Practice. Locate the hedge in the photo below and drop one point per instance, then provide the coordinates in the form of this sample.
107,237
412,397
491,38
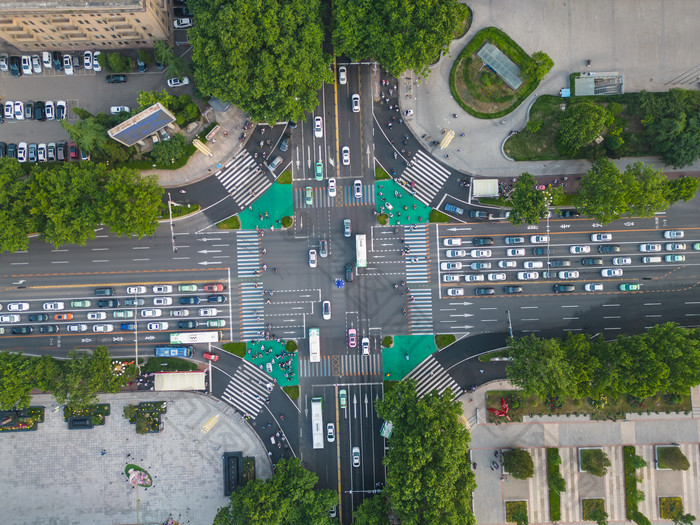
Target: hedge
632,497
554,478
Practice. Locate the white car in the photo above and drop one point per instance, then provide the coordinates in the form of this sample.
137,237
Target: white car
453,292
36,64
539,239
318,127
96,67
330,432
208,312
346,156
674,234
9,110
357,188
103,328
151,312
313,259
46,59
452,242
342,75
115,110
176,82
87,60
22,152
580,249
162,325
473,277
355,456
365,345
182,312
41,153
162,301
446,266
477,254
326,309
601,237
649,247
17,307
331,188
611,272
77,328
135,290
19,110
356,103
593,287
622,261
515,252
507,264
568,274
9,318
56,305
450,278
96,316
496,277
455,253
675,246
26,65
531,265
162,288
182,23
68,64
50,110
528,276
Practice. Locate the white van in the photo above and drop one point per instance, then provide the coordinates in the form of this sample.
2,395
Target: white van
650,259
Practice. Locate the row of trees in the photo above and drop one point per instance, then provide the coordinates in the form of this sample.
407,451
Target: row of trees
65,202
73,382
664,359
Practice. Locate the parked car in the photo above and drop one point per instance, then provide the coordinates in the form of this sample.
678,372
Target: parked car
176,82
115,79
68,64
182,23
454,209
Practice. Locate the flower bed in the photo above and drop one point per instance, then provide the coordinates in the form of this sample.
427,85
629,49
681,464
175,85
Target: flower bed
592,508
146,416
670,507
138,476
97,413
21,420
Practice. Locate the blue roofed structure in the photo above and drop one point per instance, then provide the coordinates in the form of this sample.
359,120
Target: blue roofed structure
142,125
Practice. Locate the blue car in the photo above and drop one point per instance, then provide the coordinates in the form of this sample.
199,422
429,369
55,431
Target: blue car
189,300
454,209
128,326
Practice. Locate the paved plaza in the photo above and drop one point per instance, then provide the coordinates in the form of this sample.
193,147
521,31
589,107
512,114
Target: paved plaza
58,476
568,434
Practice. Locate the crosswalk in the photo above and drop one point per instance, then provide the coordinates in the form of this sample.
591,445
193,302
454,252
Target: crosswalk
417,267
341,365
248,253
344,197
247,390
244,179
430,375
420,311
427,175
252,311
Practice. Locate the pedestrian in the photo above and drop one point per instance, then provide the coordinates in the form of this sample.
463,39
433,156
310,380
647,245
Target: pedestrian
103,452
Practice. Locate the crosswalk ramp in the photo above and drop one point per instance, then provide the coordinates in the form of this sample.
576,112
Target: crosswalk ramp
244,179
344,196
420,311
252,311
417,267
248,254
341,365
428,176
247,390
430,375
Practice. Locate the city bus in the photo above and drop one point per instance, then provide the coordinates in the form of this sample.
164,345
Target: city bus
314,345
174,351
178,338
317,421
361,250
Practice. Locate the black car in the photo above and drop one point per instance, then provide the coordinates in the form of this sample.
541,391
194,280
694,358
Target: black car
348,272
216,299
565,214
39,112
116,79
186,325
476,214
15,68
38,318
57,61
29,109
134,302
484,291
3,150
18,330
12,150
48,329
592,261
108,303
564,288
284,145
541,250
608,248
189,300
560,263
513,289
141,66
292,124
483,241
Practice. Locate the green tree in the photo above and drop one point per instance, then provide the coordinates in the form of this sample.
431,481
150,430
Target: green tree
130,204
144,56
648,193
82,376
118,63
683,519
599,516
401,34
16,372
602,192
267,58
529,205
681,189
584,364
519,515
147,98
372,511
643,373
15,219
429,477
595,461
518,463
89,134
165,55
539,66
635,462
287,498
169,151
581,124
679,350
539,366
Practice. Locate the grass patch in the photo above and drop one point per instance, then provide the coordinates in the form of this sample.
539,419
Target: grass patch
388,341
591,508
388,385
292,392
380,174
632,495
670,507
168,364
178,211
671,457
514,511
286,221
493,201
382,219
443,340
232,223
485,358
605,409
238,349
438,216
556,482
285,178
291,346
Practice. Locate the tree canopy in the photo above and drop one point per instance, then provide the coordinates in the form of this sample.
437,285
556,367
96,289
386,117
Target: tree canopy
399,34
265,57
15,220
529,204
518,463
581,124
429,477
288,498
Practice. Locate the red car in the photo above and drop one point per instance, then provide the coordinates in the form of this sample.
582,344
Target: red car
210,357
73,151
352,338
214,287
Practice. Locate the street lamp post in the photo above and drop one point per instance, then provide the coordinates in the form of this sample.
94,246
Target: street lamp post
172,229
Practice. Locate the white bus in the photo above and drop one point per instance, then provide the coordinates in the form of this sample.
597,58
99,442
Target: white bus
317,421
179,338
314,345
361,250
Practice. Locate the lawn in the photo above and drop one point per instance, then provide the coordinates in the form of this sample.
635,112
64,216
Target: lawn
670,507
591,507
513,508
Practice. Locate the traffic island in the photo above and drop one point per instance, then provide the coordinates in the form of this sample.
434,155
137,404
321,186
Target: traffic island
407,352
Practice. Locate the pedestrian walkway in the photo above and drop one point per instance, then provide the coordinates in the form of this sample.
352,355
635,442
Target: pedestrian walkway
243,179
252,311
420,311
399,205
430,375
248,253
247,390
341,365
344,197
427,175
417,268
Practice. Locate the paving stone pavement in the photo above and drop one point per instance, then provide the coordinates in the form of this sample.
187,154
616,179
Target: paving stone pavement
58,476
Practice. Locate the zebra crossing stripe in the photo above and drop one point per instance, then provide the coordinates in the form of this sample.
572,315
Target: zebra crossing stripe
246,390
420,309
244,179
417,268
350,365
252,311
427,175
321,199
247,253
430,375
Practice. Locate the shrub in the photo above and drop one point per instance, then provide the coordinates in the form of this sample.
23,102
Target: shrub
557,484
238,349
518,463
670,507
632,495
595,462
672,458
169,151
118,63
388,341
291,346
144,56
443,340
594,510
286,222
516,512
